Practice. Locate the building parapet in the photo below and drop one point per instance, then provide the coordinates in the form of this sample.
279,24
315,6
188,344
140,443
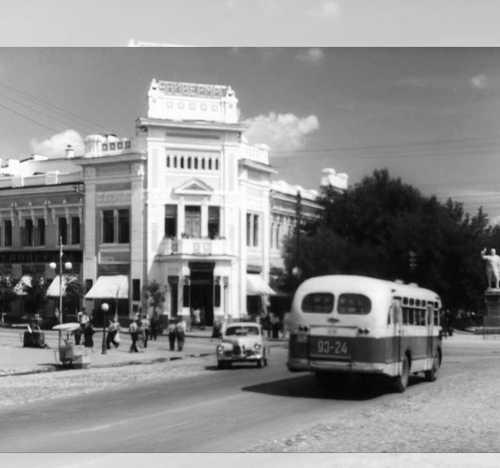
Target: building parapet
192,101
257,153
106,145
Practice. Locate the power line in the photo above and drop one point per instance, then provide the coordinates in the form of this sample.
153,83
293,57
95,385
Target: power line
29,118
407,145
58,108
35,109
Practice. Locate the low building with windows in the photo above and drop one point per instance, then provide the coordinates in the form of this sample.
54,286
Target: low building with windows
187,203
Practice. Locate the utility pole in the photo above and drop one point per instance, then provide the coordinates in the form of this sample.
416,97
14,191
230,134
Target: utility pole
298,215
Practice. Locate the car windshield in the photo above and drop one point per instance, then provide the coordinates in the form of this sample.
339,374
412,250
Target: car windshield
242,331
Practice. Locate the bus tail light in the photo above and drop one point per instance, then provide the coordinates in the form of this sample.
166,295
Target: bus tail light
363,331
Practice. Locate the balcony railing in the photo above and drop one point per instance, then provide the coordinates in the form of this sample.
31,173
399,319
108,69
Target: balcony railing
203,247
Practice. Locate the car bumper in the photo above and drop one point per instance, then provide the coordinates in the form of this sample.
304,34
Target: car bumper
304,365
239,357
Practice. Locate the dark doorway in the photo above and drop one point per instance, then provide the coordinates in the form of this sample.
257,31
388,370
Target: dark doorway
202,290
99,316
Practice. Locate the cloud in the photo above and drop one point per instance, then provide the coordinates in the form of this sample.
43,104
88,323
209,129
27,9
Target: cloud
56,144
326,9
313,55
280,131
479,81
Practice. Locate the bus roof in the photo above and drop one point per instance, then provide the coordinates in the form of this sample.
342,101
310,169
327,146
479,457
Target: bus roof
367,284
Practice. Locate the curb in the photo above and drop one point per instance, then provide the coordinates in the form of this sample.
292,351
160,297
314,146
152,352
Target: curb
57,368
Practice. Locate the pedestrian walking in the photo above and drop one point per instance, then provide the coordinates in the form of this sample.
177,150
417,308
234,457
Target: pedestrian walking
275,325
171,334
180,333
134,336
217,329
154,328
88,335
112,337
146,329
116,339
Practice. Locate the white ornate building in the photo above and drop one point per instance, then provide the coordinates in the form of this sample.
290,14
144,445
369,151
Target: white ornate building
187,203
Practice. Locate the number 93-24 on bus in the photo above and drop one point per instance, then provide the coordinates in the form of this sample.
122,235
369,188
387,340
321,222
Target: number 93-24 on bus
356,324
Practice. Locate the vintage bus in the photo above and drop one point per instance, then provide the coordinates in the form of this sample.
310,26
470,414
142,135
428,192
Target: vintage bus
361,325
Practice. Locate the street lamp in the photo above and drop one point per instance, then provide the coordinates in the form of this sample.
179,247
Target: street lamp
104,308
67,266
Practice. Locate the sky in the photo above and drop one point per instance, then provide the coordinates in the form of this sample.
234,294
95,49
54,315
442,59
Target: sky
250,22
428,114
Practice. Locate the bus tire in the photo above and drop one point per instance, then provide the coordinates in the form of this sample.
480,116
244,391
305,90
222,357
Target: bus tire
401,381
431,375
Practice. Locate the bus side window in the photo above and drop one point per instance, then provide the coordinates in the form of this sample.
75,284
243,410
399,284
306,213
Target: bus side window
436,317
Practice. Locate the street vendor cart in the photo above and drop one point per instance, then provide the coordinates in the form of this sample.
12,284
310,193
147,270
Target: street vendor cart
70,355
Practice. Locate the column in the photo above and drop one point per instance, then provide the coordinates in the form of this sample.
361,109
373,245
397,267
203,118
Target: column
180,218
90,228
137,257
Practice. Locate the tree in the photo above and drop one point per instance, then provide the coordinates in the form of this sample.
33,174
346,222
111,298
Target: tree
73,295
372,227
154,296
7,294
35,298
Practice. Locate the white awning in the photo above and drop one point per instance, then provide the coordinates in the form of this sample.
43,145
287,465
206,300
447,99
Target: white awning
23,283
256,286
53,289
109,287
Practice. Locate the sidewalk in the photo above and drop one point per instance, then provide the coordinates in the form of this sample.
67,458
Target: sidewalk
14,359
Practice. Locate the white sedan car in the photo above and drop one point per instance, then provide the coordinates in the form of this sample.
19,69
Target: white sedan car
242,342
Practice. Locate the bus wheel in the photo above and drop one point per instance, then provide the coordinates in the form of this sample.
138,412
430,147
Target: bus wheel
431,375
401,381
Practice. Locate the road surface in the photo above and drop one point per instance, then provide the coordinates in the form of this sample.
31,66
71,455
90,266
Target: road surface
222,410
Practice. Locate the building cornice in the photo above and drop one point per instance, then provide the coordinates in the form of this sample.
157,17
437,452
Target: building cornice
192,125
257,166
110,159
77,187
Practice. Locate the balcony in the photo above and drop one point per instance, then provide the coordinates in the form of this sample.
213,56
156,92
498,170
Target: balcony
201,247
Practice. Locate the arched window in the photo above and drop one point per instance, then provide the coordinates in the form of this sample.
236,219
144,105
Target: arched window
196,163
203,163
216,164
189,163
182,162
175,162
210,164
168,161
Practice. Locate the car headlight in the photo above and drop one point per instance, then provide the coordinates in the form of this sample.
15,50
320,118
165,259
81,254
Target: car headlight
257,346
220,348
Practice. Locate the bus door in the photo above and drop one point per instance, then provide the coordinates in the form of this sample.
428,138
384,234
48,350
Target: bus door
430,329
397,321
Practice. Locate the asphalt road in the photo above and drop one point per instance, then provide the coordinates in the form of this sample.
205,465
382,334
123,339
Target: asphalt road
223,410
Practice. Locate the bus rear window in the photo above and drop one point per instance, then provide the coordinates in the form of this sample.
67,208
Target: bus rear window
318,303
354,304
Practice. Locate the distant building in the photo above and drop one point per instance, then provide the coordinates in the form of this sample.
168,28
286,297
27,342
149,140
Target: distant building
187,203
